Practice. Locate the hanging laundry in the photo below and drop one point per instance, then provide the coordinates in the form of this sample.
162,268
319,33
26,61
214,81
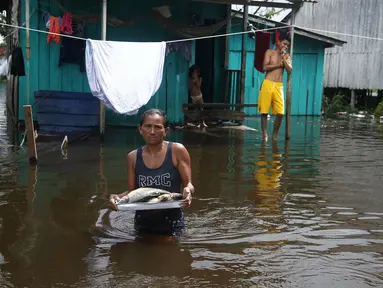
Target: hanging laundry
66,26
54,27
73,50
124,75
77,28
46,19
17,63
262,43
184,47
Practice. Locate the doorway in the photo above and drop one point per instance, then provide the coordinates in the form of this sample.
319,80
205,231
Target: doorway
204,59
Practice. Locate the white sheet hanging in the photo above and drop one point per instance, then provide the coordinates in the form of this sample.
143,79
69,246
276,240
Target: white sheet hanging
124,75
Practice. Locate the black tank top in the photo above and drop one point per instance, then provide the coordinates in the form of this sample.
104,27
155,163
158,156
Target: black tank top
165,177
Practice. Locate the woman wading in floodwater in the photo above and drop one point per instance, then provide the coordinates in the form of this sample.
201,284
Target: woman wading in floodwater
158,164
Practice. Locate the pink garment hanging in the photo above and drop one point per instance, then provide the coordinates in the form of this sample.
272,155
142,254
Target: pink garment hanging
66,25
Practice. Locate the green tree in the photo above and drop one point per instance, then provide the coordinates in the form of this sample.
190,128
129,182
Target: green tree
3,20
270,12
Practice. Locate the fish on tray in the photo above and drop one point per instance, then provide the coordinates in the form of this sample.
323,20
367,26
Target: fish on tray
149,195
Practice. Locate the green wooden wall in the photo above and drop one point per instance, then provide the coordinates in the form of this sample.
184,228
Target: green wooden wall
43,72
308,61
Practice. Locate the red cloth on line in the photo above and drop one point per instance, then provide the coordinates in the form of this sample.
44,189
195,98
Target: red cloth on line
262,43
66,25
54,27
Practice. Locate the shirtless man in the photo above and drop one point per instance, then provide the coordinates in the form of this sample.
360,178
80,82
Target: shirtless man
195,82
271,93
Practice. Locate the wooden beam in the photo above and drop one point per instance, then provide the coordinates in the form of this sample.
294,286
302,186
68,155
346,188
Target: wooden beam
30,130
103,37
217,105
211,115
254,3
243,54
227,54
290,80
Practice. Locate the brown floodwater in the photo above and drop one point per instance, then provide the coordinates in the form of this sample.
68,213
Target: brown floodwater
306,214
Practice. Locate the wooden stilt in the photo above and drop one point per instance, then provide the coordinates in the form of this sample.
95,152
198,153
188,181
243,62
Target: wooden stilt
289,80
30,131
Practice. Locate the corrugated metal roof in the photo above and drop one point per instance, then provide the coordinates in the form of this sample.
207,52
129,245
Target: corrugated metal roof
328,40
359,63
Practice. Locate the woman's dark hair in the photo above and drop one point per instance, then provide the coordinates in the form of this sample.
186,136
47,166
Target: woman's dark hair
155,111
192,69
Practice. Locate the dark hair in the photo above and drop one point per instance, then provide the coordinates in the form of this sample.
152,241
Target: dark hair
284,36
155,111
194,68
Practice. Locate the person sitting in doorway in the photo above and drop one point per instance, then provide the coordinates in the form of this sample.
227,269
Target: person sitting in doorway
195,82
271,94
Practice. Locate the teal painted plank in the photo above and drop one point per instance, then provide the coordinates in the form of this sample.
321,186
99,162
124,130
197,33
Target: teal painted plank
54,52
22,80
319,82
34,57
44,57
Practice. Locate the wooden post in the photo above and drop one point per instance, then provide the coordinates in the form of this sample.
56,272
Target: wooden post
227,54
27,49
290,80
30,130
243,63
103,37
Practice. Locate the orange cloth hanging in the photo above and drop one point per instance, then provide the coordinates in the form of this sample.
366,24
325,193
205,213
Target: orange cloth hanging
66,25
54,27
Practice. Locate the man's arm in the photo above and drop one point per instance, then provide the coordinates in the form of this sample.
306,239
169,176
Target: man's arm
184,166
267,66
287,63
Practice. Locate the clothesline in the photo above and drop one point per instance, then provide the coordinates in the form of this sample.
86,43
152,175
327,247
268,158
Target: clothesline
339,33
207,37
171,41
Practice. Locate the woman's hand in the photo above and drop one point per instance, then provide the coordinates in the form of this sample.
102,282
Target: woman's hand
187,195
113,199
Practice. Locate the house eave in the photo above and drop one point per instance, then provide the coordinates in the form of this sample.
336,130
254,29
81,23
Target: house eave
329,41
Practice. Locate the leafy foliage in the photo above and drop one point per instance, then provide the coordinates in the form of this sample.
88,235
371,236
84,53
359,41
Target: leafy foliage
379,110
338,103
3,29
270,12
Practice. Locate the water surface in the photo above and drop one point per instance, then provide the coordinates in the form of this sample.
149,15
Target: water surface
303,214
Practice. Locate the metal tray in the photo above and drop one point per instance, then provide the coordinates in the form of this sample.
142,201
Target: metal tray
148,206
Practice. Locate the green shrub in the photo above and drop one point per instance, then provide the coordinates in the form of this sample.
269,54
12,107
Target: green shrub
379,110
338,104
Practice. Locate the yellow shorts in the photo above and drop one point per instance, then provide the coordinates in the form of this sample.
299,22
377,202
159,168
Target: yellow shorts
271,95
